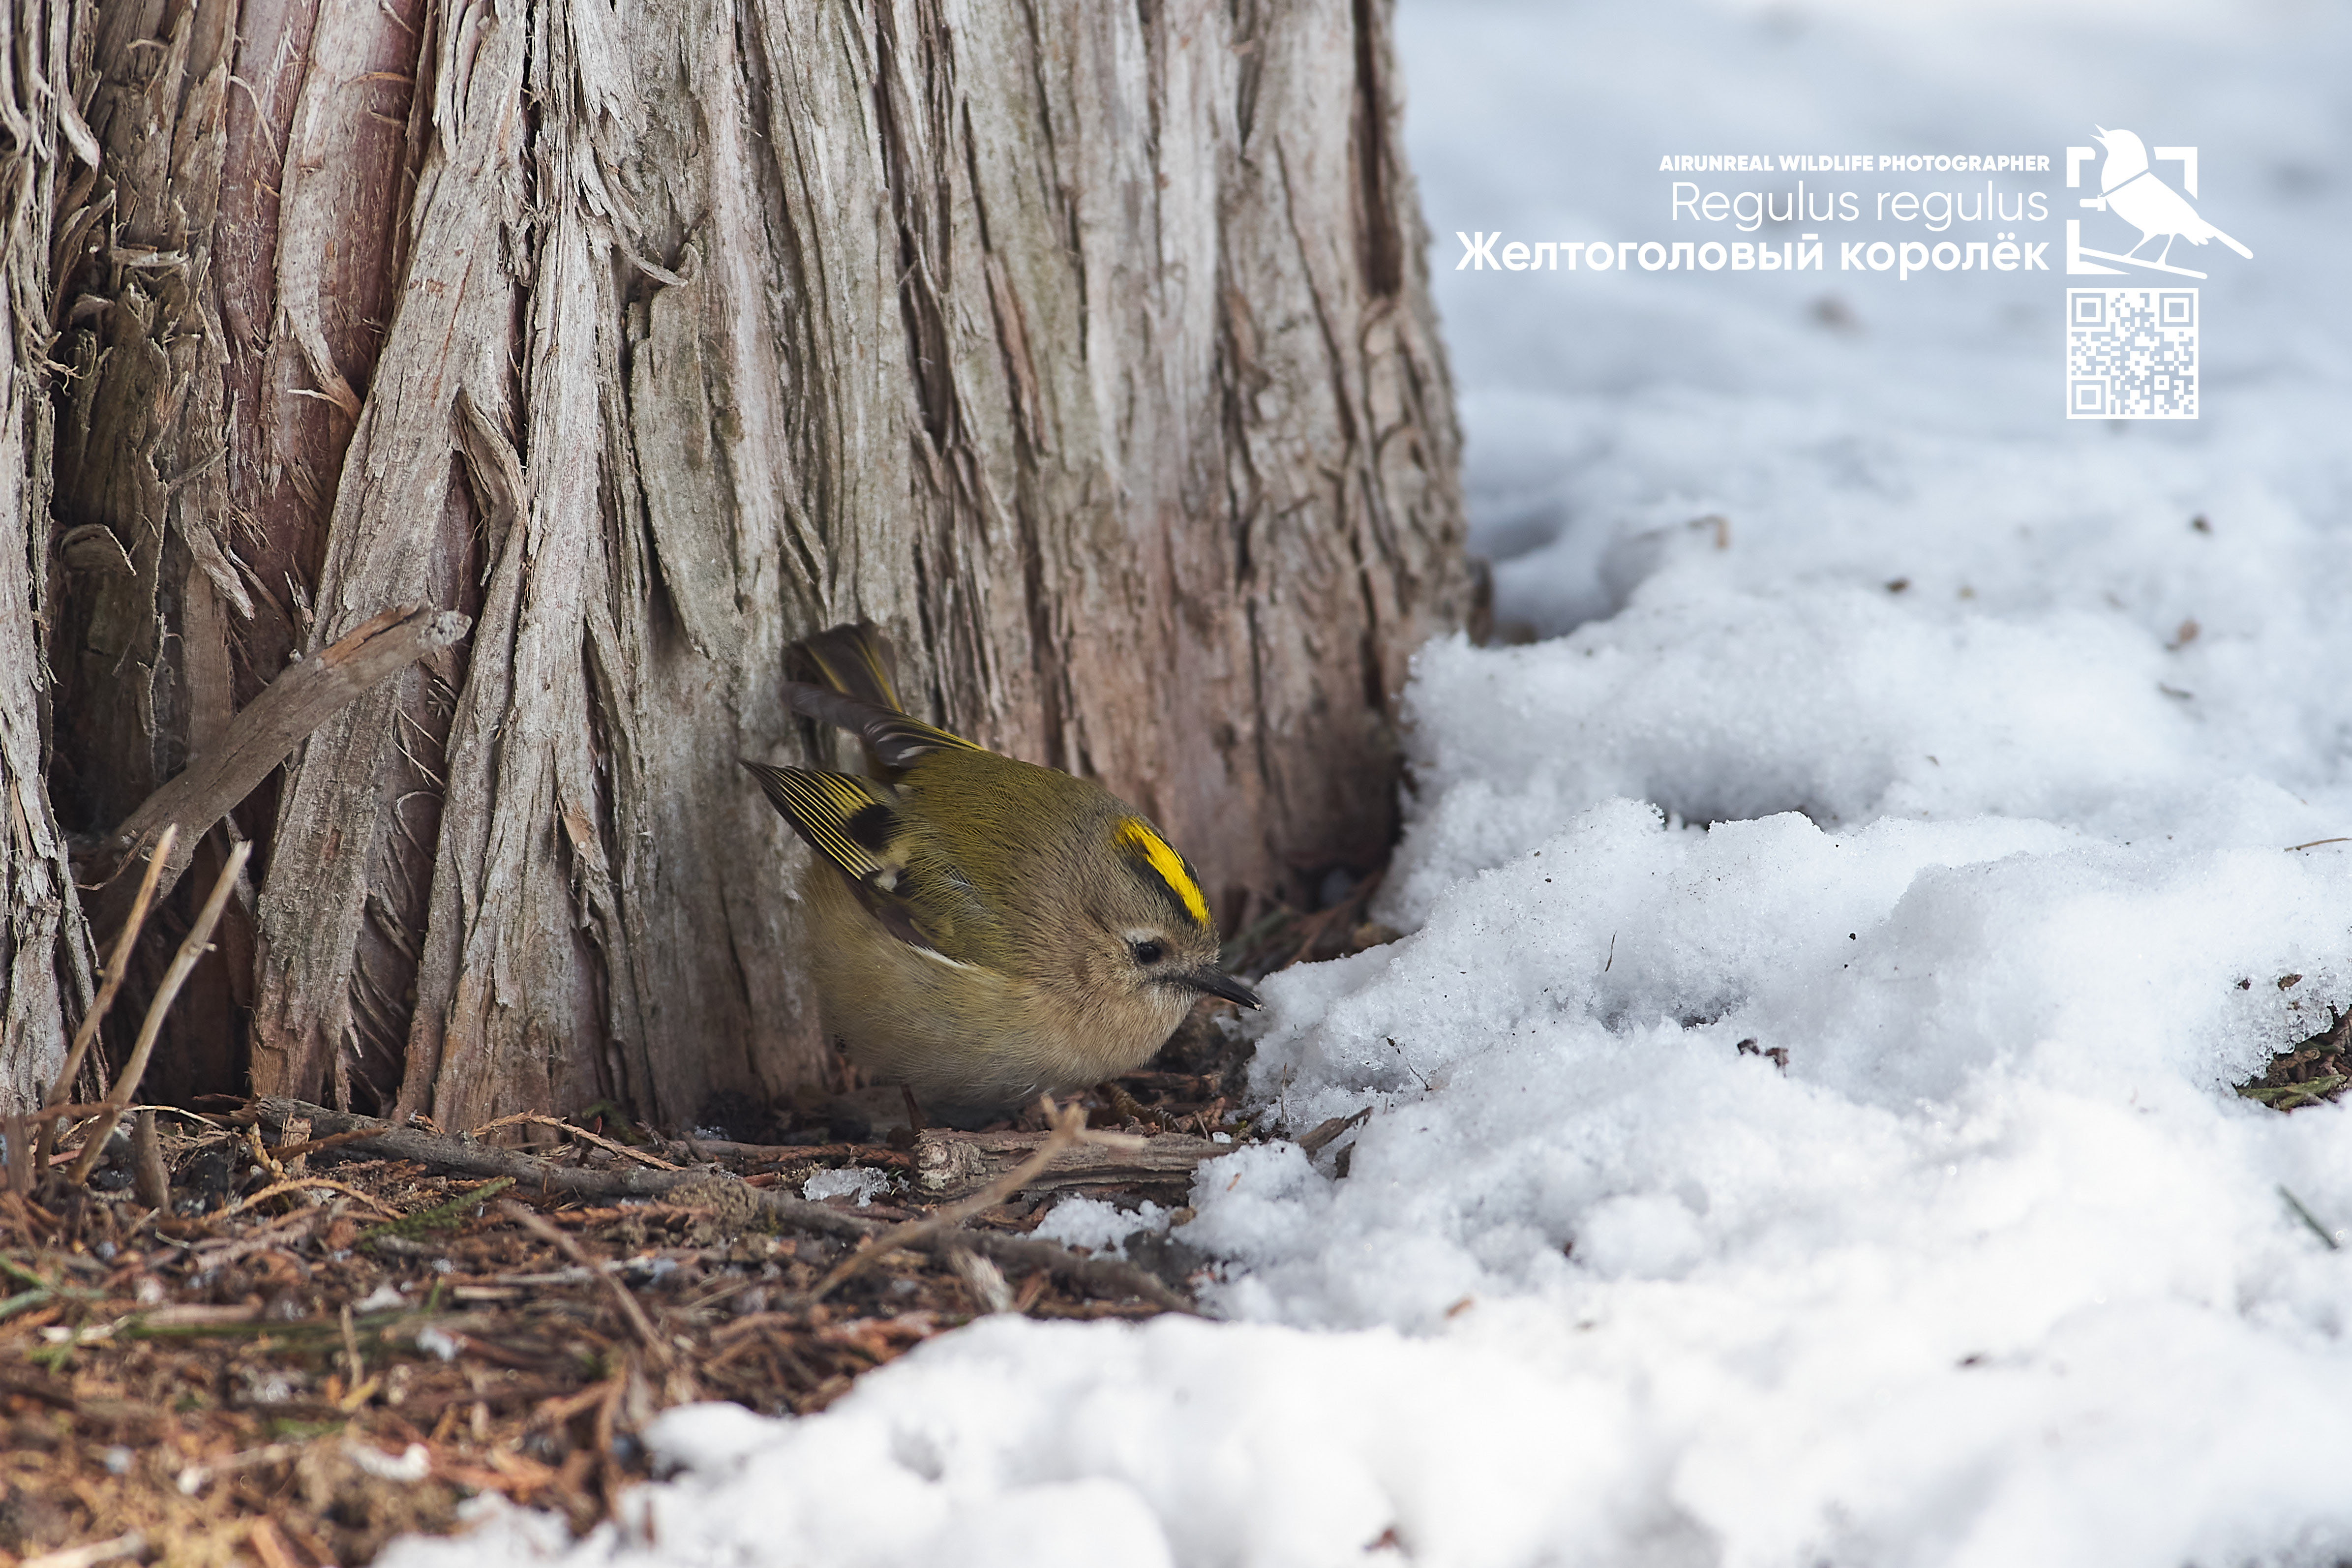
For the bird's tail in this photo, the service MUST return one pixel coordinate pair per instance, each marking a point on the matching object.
(2232, 243)
(855, 659)
(847, 678)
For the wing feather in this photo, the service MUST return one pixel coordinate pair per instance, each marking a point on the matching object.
(821, 806)
(853, 823)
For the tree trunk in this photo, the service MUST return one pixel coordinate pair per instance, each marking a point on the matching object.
(1088, 349)
(45, 967)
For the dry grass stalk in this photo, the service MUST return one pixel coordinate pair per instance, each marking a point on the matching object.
(198, 945)
(530, 1119)
(117, 965)
(300, 1184)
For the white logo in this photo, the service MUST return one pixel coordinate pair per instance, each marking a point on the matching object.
(2132, 353)
(2134, 192)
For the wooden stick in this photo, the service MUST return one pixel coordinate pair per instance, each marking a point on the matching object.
(127, 1081)
(20, 1153)
(284, 1152)
(1100, 1276)
(150, 1178)
(266, 730)
(466, 1157)
(794, 1153)
(130, 1545)
(949, 1165)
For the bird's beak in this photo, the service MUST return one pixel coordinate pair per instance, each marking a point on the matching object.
(1217, 983)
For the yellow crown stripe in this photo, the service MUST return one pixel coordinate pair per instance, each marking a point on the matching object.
(1135, 834)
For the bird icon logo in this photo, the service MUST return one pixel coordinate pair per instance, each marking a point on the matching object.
(2131, 190)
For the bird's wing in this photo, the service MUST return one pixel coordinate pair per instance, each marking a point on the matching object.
(856, 823)
(845, 819)
(895, 739)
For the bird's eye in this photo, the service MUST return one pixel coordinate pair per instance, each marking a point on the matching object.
(1146, 953)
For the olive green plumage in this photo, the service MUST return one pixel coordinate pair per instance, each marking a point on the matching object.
(981, 929)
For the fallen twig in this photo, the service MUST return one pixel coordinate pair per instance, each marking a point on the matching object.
(949, 1165)
(464, 1156)
(266, 730)
(268, 1545)
(983, 1279)
(1327, 1132)
(284, 1152)
(1097, 1276)
(149, 1177)
(75, 1112)
(794, 1153)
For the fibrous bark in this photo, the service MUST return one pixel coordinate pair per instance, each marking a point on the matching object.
(48, 153)
(1087, 349)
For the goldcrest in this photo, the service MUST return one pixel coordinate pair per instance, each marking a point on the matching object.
(982, 929)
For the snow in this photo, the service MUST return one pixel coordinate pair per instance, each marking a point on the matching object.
(863, 1183)
(1995, 1270)
(1094, 1225)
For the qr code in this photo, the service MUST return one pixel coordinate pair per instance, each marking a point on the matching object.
(2131, 354)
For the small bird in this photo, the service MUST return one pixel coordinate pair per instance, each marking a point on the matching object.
(982, 929)
(2133, 192)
